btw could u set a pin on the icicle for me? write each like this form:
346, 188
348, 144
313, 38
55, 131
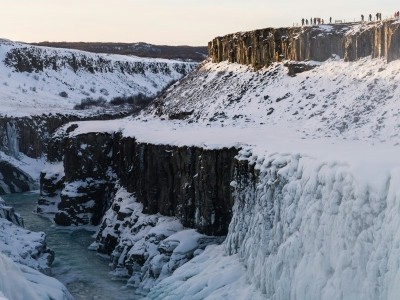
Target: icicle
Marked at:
12, 140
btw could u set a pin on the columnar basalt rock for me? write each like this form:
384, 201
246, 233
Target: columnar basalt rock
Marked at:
190, 183
350, 41
89, 180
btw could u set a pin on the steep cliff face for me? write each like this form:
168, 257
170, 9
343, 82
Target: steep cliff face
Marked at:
189, 183
351, 41
25, 141
31, 135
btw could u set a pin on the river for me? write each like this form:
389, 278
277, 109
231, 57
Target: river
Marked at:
83, 272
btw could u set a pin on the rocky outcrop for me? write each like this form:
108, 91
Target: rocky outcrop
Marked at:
350, 41
89, 180
189, 183
8, 213
51, 184
13, 179
31, 135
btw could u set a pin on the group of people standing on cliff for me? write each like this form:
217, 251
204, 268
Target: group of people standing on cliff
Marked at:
378, 17
318, 21
315, 21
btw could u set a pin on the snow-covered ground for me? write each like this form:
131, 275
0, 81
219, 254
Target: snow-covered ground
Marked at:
349, 100
54, 80
154, 245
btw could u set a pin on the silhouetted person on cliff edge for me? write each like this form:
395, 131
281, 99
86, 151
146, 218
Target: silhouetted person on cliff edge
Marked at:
311, 21
362, 18
306, 22
330, 20
377, 16
302, 22
370, 17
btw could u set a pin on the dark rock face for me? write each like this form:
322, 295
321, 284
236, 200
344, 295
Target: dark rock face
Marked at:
262, 47
36, 59
8, 213
14, 180
89, 180
51, 183
298, 67
187, 182
31, 135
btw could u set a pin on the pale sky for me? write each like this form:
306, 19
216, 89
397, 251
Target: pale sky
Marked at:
166, 22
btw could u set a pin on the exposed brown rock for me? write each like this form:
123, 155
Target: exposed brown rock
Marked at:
262, 47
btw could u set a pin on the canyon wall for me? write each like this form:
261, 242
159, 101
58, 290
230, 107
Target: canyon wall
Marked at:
25, 138
31, 135
350, 41
190, 183
147, 198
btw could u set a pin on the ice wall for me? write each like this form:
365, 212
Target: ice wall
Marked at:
311, 230
12, 140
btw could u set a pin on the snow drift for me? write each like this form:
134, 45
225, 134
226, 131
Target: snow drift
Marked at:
18, 282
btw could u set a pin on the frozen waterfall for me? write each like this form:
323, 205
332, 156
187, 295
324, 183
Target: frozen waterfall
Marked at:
311, 230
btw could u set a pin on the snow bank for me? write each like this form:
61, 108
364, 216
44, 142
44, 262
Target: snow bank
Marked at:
147, 248
25, 246
211, 275
18, 282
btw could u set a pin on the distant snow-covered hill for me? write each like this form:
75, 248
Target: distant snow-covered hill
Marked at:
36, 80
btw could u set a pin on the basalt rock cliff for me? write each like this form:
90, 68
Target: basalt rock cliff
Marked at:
189, 183
350, 41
